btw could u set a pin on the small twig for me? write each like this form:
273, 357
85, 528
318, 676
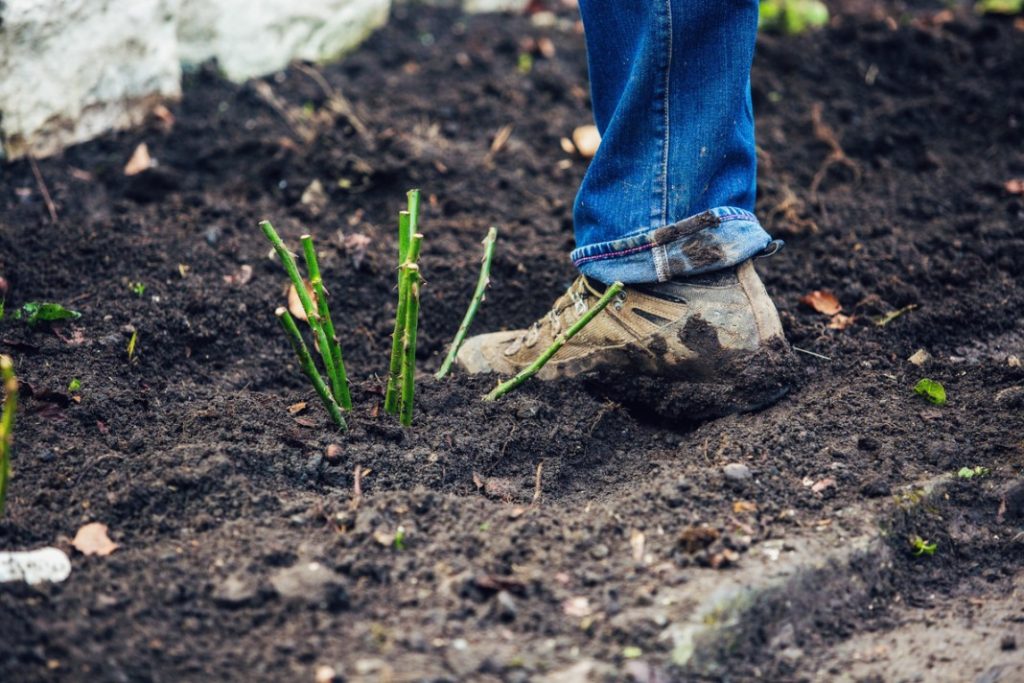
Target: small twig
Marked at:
529, 371
474, 304
501, 138
811, 353
339, 104
357, 487
824, 133
306, 363
50, 206
339, 379
536, 484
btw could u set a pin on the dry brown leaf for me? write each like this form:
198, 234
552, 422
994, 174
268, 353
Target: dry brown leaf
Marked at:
140, 161
296, 408
841, 322
744, 506
1015, 186
587, 140
295, 305
307, 422
822, 302
92, 539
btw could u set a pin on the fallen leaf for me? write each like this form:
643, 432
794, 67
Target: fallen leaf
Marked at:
823, 484
841, 322
696, 538
140, 161
240, 278
1015, 186
307, 422
822, 302
587, 140
356, 245
296, 408
295, 305
578, 607
164, 116
92, 539
931, 390
741, 506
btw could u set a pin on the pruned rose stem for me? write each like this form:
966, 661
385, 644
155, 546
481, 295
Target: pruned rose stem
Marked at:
412, 311
474, 304
339, 380
10, 383
309, 368
312, 317
531, 370
395, 364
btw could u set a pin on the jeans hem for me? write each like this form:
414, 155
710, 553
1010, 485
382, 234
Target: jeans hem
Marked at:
718, 238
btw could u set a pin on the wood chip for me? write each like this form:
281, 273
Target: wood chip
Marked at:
822, 302
140, 161
92, 539
296, 408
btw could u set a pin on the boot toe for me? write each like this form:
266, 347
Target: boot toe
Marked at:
484, 353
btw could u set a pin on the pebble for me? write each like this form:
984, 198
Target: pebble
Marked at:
212, 234
599, 551
313, 583
235, 591
736, 471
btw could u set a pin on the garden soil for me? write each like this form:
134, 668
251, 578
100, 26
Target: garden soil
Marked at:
517, 539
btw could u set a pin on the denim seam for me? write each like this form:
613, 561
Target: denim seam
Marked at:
661, 265
668, 120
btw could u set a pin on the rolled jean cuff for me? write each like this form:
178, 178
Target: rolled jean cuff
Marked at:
717, 238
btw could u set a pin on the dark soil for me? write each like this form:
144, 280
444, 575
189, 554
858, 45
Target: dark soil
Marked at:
214, 491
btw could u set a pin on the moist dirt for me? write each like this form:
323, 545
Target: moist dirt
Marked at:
526, 528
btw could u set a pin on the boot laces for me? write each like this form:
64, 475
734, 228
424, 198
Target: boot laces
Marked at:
577, 300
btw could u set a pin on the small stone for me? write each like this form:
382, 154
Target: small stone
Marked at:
599, 551
506, 608
527, 410
736, 472
313, 583
920, 357
1013, 362
333, 453
236, 590
325, 674
1008, 643
212, 235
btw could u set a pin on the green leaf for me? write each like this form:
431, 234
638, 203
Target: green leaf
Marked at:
399, 542
2, 302
632, 652
131, 345
35, 312
74, 385
931, 390
971, 472
999, 7
923, 547
792, 16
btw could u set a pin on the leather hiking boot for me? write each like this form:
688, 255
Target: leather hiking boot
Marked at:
688, 349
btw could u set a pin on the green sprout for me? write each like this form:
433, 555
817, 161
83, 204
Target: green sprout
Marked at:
74, 385
132, 344
399, 542
931, 390
137, 288
10, 383
35, 312
972, 472
525, 63
1007, 7
922, 547
792, 16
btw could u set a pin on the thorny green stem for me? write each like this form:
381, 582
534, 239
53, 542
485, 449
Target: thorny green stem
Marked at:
339, 379
391, 399
560, 340
7, 424
306, 363
414, 211
409, 343
474, 304
312, 317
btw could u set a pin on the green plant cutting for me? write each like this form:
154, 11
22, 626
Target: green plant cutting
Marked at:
319, 320
532, 369
10, 383
474, 303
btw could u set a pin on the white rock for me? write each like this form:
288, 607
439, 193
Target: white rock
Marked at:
72, 69
254, 37
34, 566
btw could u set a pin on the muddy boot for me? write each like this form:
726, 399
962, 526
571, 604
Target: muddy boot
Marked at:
688, 349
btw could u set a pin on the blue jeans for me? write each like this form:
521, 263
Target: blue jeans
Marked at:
671, 189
